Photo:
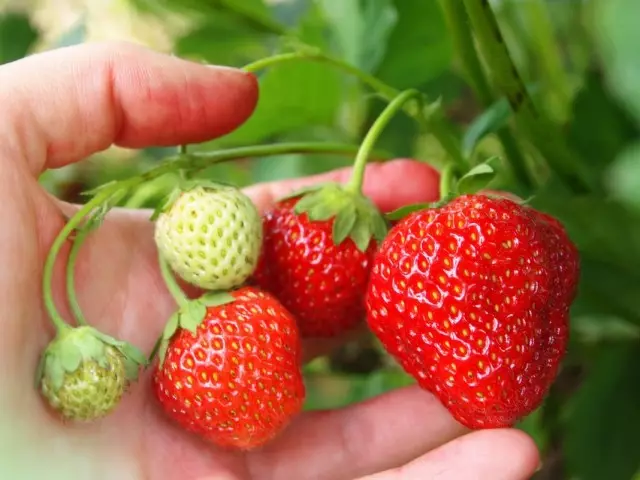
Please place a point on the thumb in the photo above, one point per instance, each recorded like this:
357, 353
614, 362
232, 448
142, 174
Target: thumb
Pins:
63, 105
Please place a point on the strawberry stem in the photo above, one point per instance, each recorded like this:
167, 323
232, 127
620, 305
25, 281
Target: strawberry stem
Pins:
170, 281
47, 274
441, 129
357, 177
81, 235
447, 177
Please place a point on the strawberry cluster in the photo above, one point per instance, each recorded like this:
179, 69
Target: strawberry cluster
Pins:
470, 295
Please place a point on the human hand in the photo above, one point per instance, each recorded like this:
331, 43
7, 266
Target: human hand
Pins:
60, 107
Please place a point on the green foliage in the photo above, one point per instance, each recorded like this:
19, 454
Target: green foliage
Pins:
572, 140
17, 36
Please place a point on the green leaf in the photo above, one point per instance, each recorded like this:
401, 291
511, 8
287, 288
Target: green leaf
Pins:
361, 29
600, 128
192, 315
623, 179
479, 177
601, 437
215, 299
491, 120
604, 230
400, 213
419, 47
223, 39
344, 222
17, 36
592, 327
618, 36
293, 94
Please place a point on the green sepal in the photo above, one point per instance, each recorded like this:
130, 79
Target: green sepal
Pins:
298, 192
192, 315
344, 222
189, 317
71, 347
67, 351
186, 185
355, 216
165, 204
130, 352
406, 210
216, 299
479, 177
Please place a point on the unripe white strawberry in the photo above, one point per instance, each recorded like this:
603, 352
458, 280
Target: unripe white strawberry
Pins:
210, 236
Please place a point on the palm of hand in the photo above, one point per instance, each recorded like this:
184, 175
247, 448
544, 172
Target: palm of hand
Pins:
122, 294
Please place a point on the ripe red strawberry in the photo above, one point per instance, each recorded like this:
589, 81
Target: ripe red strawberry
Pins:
317, 261
472, 299
233, 378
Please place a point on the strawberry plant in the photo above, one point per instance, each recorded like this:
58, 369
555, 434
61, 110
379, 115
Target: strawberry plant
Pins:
534, 100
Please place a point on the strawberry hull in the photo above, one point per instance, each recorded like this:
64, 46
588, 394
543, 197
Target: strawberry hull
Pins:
472, 299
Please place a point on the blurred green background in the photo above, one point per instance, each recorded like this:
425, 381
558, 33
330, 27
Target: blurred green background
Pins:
581, 59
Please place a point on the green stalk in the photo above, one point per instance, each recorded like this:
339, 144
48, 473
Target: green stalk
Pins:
317, 56
437, 124
541, 132
79, 239
458, 22
544, 41
355, 183
104, 193
47, 274
446, 180
170, 281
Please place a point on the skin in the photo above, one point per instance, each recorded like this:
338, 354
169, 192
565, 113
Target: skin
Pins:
62, 106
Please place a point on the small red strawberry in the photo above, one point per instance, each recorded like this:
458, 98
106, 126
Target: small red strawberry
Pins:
320, 278
472, 299
231, 371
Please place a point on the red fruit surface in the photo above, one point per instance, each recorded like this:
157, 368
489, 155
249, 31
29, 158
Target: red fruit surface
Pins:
472, 299
237, 381
321, 283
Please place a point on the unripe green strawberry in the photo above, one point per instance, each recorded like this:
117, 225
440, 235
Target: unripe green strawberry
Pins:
210, 236
83, 373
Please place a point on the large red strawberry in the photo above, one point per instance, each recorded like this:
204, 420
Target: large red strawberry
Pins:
316, 257
230, 372
472, 299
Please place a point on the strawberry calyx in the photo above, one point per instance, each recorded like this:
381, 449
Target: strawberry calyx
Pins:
186, 185
189, 316
355, 216
478, 178
71, 347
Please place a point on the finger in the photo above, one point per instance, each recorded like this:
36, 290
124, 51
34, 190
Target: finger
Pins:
124, 256
381, 433
481, 455
390, 184
63, 105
